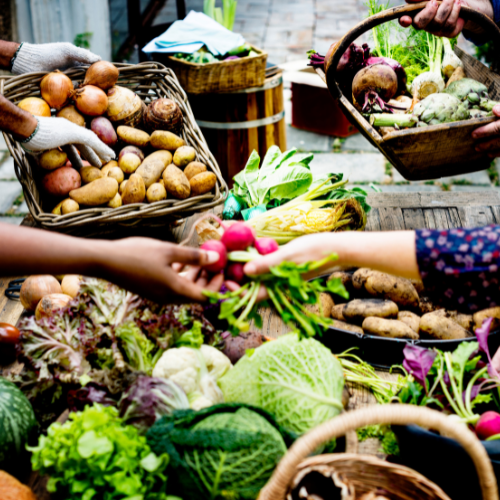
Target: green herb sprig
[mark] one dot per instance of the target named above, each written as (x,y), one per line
(288,291)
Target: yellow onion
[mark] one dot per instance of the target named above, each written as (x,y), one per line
(51,303)
(102,74)
(125,107)
(90,100)
(164,114)
(71,114)
(35,106)
(56,89)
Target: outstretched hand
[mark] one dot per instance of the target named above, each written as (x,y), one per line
(488,137)
(150,268)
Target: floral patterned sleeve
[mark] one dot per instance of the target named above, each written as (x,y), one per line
(460,267)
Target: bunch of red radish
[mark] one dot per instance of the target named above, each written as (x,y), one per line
(236,237)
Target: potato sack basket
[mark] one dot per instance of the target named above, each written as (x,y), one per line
(150,81)
(433,151)
(347,476)
(220,76)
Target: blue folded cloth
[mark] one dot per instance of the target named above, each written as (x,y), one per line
(192,33)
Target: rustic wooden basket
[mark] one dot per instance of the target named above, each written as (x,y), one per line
(364,473)
(150,81)
(221,76)
(434,151)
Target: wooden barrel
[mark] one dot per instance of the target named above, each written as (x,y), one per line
(236,123)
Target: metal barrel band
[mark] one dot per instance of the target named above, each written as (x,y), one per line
(270,84)
(269,120)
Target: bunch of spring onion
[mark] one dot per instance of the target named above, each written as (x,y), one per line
(306,214)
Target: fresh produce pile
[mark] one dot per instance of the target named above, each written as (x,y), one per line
(153,161)
(389,306)
(204,56)
(409,79)
(283,199)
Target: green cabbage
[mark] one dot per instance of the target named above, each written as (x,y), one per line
(300,382)
(226,451)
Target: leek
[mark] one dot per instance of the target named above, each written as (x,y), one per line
(224,15)
(392,119)
(306,215)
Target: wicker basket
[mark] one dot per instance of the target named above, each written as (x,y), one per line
(434,151)
(149,81)
(360,474)
(221,76)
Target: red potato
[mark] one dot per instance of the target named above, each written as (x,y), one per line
(84,162)
(61,181)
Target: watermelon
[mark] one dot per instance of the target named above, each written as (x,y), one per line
(17,422)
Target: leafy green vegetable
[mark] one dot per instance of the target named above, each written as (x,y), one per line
(95,456)
(383,34)
(289,292)
(298,381)
(388,442)
(225,451)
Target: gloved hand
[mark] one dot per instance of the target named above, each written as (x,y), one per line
(55,132)
(50,56)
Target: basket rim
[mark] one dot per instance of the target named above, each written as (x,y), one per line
(241,60)
(166,84)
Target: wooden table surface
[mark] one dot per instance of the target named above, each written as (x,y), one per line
(390,212)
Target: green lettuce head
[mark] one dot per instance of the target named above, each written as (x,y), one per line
(300,382)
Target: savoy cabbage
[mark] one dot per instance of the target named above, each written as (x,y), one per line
(300,382)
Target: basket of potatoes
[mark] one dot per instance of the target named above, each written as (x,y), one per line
(163,169)
(384,313)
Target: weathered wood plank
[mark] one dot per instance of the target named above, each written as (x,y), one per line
(391,219)
(413,218)
(373,220)
(476,216)
(436,218)
(434,200)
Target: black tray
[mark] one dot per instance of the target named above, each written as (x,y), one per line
(383,352)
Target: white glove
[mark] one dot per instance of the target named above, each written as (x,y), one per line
(50,56)
(55,132)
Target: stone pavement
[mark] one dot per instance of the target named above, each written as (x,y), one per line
(287,29)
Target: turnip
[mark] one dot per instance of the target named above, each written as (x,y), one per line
(488,425)
(234,272)
(235,347)
(374,85)
(239,236)
(394,65)
(215,246)
(266,246)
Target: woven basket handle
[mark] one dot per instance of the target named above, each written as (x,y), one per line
(277,487)
(411,10)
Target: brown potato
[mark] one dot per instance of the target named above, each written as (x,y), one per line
(360,276)
(116,173)
(156,192)
(464,320)
(98,192)
(323,307)
(52,159)
(153,166)
(116,201)
(426,305)
(162,182)
(106,168)
(202,183)
(392,328)
(122,186)
(342,325)
(419,285)
(344,277)
(336,312)
(161,139)
(57,210)
(184,155)
(385,286)
(129,163)
(133,136)
(90,174)
(358,309)
(492,312)
(437,325)
(135,190)
(194,168)
(409,318)
(176,182)
(68,206)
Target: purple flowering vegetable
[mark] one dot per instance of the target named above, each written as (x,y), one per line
(418,361)
(149,399)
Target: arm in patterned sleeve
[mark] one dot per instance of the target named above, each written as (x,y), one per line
(460,267)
